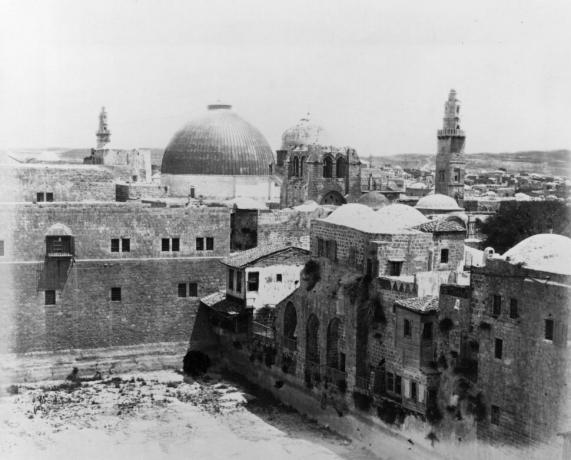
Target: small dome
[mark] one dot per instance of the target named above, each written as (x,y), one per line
(373,199)
(59,230)
(305,133)
(417,186)
(522,197)
(544,252)
(346,214)
(437,202)
(401,216)
(220,142)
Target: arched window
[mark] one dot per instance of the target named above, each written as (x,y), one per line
(301,165)
(296,166)
(341,167)
(290,325)
(312,341)
(327,167)
(333,335)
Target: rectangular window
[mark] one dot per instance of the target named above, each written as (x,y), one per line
(192,192)
(230,279)
(210,244)
(444,256)
(390,381)
(125,245)
(398,384)
(39,196)
(50,297)
(1,248)
(115,245)
(427,331)
(279,278)
(49,196)
(549,329)
(320,247)
(200,244)
(369,268)
(513,309)
(116,294)
(499,348)
(238,281)
(407,328)
(193,289)
(182,289)
(175,245)
(165,245)
(395,268)
(413,391)
(497,306)
(495,415)
(253,281)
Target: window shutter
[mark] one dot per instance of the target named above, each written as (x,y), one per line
(406,387)
(421,391)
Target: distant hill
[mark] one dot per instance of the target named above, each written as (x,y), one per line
(554,162)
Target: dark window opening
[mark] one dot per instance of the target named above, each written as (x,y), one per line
(279,277)
(115,245)
(331,249)
(175,245)
(192,192)
(116,294)
(497,306)
(231,279)
(499,348)
(50,297)
(341,167)
(182,290)
(238,281)
(398,384)
(1,248)
(407,328)
(320,247)
(444,256)
(427,331)
(253,281)
(369,268)
(549,329)
(200,244)
(390,381)
(193,289)
(413,391)
(209,244)
(395,268)
(49,196)
(327,167)
(513,309)
(39,196)
(495,415)
(165,245)
(125,244)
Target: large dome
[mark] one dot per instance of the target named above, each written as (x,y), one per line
(437,202)
(544,252)
(305,133)
(220,142)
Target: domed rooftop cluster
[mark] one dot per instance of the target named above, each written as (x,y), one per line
(220,142)
(373,199)
(544,252)
(305,133)
(393,218)
(437,202)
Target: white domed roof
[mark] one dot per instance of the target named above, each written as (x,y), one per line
(305,132)
(437,202)
(373,199)
(545,252)
(418,186)
(401,216)
(347,213)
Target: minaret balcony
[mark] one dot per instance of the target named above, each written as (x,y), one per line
(451,132)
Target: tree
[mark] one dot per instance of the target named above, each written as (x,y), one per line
(516,221)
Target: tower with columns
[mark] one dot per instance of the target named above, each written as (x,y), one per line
(103,134)
(450,162)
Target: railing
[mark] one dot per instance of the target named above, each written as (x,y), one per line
(336,376)
(450,132)
(262,330)
(362,383)
(289,343)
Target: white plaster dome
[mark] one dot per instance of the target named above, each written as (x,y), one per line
(437,202)
(373,199)
(401,216)
(349,214)
(544,252)
(220,142)
(303,133)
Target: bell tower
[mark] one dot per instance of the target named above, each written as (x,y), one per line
(450,162)
(103,134)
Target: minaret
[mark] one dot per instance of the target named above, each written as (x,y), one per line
(103,134)
(450,163)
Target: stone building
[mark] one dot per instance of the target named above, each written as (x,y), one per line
(314,170)
(220,156)
(450,161)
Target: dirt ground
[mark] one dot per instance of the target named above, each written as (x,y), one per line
(156,415)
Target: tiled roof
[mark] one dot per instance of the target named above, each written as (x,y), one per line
(243,258)
(441,226)
(419,304)
(219,302)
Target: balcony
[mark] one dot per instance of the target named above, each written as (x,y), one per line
(263,332)
(362,384)
(289,344)
(451,132)
(337,377)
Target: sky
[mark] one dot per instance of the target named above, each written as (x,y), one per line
(375,74)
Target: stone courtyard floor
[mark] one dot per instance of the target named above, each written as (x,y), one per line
(156,415)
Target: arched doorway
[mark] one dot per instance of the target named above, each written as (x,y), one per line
(290,325)
(334,198)
(327,167)
(341,167)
